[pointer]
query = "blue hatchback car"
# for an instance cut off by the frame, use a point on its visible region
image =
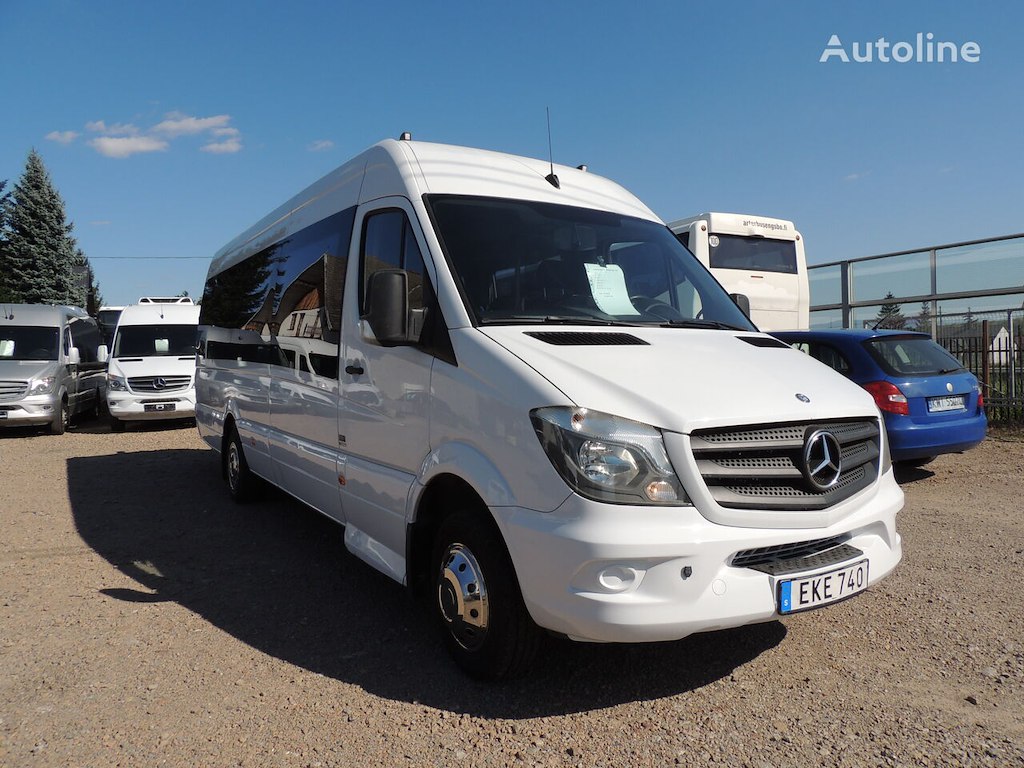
(930, 402)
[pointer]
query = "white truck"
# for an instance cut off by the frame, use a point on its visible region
(759, 257)
(535, 408)
(151, 371)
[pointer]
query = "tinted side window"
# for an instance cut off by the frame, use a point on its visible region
(389, 243)
(86, 336)
(831, 357)
(289, 294)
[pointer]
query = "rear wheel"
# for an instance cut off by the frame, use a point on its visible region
(477, 602)
(241, 482)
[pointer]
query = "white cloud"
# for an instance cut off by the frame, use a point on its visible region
(115, 129)
(223, 147)
(125, 146)
(856, 176)
(62, 137)
(178, 124)
(125, 139)
(321, 146)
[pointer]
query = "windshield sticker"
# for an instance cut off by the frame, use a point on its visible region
(713, 241)
(608, 286)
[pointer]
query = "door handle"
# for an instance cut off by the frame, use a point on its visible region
(354, 370)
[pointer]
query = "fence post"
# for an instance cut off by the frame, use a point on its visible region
(1011, 353)
(985, 360)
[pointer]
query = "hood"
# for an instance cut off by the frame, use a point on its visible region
(152, 366)
(682, 379)
(27, 369)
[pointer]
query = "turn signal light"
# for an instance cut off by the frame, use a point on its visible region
(888, 397)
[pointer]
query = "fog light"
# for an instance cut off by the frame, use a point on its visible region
(617, 578)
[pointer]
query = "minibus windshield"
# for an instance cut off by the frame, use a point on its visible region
(521, 261)
(29, 342)
(155, 341)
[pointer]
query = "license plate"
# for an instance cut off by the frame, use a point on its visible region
(808, 592)
(945, 403)
(159, 407)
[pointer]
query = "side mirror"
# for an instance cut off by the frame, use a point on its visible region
(74, 356)
(387, 307)
(741, 301)
(102, 353)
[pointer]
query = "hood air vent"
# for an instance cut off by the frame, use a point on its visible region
(763, 341)
(583, 338)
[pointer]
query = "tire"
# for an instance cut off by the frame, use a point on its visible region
(241, 481)
(61, 419)
(116, 425)
(476, 600)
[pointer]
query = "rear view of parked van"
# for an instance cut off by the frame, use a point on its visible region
(51, 365)
(151, 374)
(528, 402)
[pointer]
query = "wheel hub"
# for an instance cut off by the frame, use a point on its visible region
(462, 597)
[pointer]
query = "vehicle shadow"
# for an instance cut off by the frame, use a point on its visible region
(907, 473)
(275, 575)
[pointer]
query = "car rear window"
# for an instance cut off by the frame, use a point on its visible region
(912, 356)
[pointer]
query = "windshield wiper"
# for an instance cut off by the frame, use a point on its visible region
(554, 320)
(701, 324)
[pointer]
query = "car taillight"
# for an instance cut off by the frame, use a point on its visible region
(888, 397)
(981, 401)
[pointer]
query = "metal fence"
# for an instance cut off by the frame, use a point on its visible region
(969, 296)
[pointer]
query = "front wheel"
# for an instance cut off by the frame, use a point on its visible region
(61, 419)
(477, 602)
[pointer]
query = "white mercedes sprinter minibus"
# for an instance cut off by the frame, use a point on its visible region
(151, 374)
(534, 407)
(756, 256)
(52, 365)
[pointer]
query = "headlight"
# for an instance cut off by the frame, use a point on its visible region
(886, 458)
(608, 458)
(116, 383)
(41, 386)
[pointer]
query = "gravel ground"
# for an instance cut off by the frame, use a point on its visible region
(148, 621)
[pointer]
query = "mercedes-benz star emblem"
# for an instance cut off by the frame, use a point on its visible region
(823, 461)
(159, 383)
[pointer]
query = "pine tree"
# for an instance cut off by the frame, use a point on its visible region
(40, 255)
(924, 318)
(890, 315)
(5, 294)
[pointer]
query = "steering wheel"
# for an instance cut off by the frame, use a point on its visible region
(659, 309)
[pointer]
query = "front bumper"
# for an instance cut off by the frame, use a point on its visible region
(127, 406)
(606, 573)
(29, 410)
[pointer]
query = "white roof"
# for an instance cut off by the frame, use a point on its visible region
(414, 168)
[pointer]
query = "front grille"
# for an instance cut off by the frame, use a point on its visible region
(761, 467)
(13, 389)
(799, 557)
(159, 384)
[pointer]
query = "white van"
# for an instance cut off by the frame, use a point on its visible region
(535, 408)
(151, 373)
(52, 365)
(756, 256)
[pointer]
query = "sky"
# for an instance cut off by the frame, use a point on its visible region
(168, 128)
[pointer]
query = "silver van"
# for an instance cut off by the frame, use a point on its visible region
(52, 365)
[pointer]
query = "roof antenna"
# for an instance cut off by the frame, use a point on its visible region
(551, 178)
